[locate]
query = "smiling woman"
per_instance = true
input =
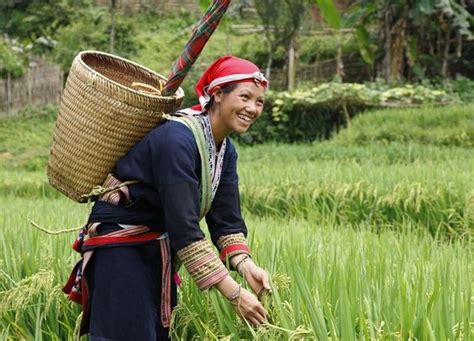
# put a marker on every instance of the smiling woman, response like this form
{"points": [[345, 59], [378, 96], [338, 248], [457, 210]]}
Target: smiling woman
{"points": [[182, 171], [237, 110], [232, 91]]}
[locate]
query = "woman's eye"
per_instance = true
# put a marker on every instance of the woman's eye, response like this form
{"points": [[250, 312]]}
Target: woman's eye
{"points": [[245, 97]]}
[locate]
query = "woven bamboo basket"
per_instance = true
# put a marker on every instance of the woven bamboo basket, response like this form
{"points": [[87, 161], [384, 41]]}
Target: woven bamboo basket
{"points": [[108, 105]]}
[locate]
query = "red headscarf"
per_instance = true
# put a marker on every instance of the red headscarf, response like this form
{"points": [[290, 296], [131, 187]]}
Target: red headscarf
{"points": [[225, 70]]}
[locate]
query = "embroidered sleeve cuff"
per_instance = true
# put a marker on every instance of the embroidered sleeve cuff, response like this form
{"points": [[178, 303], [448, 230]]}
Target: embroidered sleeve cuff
{"points": [[202, 264], [231, 245]]}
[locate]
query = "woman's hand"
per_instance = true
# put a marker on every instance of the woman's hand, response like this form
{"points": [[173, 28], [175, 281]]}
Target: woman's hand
{"points": [[256, 277], [245, 304], [249, 307]]}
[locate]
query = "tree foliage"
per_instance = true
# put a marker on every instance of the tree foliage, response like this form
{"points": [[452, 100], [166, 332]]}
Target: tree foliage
{"points": [[281, 20], [329, 13], [62, 28], [414, 38], [30, 20]]}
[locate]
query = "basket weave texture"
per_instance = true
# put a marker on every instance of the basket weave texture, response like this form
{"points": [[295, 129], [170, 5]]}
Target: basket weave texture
{"points": [[101, 117]]}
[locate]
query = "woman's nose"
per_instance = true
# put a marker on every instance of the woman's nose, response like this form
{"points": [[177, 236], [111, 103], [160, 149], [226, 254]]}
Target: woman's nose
{"points": [[251, 108]]}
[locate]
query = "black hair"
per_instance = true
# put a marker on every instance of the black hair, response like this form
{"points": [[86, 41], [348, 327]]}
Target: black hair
{"points": [[225, 89]]}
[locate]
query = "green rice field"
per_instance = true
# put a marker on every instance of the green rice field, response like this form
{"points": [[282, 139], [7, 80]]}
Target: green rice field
{"points": [[367, 236]]}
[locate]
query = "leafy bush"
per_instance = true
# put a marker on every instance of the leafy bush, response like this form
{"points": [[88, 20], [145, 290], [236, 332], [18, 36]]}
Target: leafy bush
{"points": [[462, 86], [317, 112], [32, 19], [12, 61], [35, 23]]}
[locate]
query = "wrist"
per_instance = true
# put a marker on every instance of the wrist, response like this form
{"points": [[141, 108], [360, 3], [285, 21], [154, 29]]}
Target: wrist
{"points": [[227, 287], [235, 260], [245, 266], [242, 262], [235, 295]]}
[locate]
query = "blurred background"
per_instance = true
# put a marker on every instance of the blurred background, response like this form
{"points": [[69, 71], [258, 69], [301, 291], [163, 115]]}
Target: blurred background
{"points": [[424, 49]]}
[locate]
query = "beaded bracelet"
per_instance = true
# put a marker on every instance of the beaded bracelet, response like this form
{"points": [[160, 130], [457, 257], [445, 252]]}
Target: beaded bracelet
{"points": [[235, 295], [240, 262]]}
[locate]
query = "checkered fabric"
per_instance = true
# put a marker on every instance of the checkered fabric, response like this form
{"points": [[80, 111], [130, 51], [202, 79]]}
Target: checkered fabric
{"points": [[193, 48]]}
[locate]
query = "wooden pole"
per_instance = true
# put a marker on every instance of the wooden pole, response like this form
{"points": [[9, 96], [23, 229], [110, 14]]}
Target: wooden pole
{"points": [[29, 85], [339, 58], [9, 93], [291, 66], [112, 28]]}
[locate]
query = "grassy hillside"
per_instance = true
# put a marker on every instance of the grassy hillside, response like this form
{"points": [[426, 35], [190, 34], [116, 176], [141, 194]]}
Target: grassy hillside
{"points": [[25, 139], [387, 136], [390, 166], [442, 126]]}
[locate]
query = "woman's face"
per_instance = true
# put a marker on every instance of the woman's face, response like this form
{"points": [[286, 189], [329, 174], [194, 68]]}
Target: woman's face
{"points": [[240, 108]]}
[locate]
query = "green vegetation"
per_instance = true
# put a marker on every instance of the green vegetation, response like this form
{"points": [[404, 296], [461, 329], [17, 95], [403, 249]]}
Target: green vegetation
{"points": [[371, 233], [90, 31], [317, 112], [390, 167], [338, 283], [413, 39], [321, 47], [366, 230], [11, 62], [442, 126], [327, 280], [430, 39], [25, 139]]}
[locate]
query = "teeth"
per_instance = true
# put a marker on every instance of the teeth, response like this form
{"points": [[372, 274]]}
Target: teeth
{"points": [[245, 118]]}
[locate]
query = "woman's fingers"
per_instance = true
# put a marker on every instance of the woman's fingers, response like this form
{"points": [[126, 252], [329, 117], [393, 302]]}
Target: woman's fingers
{"points": [[253, 320], [259, 313], [251, 309], [262, 311], [256, 319]]}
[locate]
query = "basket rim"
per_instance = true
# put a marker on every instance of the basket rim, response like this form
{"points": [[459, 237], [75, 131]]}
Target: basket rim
{"points": [[177, 95]]}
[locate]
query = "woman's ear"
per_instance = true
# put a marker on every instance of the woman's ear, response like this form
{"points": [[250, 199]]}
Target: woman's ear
{"points": [[218, 94]]}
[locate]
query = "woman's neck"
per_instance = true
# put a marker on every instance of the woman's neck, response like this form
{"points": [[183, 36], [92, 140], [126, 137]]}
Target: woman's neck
{"points": [[218, 129]]}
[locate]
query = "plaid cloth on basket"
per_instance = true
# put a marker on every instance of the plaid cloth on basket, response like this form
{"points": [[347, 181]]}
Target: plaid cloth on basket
{"points": [[193, 48]]}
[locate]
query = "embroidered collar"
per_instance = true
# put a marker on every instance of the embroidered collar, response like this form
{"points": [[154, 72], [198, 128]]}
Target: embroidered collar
{"points": [[216, 158]]}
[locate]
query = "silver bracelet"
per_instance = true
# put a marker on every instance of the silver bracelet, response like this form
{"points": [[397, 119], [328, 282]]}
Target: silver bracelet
{"points": [[235, 295]]}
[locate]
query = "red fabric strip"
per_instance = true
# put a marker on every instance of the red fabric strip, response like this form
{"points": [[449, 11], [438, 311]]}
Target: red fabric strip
{"points": [[72, 278], [97, 241], [232, 248], [165, 283]]}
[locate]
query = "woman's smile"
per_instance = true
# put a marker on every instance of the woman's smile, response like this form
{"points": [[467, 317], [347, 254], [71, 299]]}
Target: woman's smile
{"points": [[245, 118]]}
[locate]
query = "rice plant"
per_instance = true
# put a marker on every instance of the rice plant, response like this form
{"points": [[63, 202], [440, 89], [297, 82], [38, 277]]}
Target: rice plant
{"points": [[330, 281]]}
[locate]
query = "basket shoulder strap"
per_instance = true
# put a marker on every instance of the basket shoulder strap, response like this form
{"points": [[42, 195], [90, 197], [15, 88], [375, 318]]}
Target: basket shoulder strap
{"points": [[206, 180]]}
